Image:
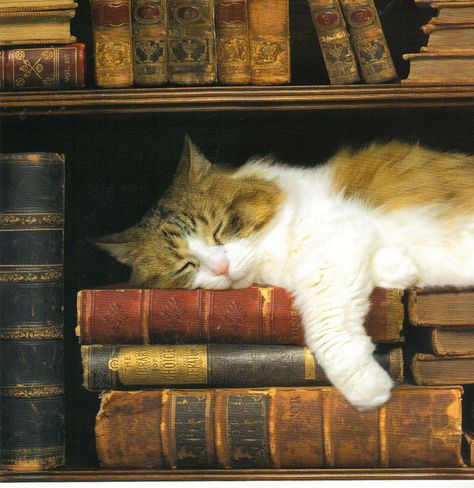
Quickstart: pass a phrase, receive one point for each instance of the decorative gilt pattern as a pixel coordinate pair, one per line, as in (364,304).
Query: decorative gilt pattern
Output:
(36,69)
(31,333)
(234,50)
(30,276)
(30,220)
(270,51)
(31,391)
(235,315)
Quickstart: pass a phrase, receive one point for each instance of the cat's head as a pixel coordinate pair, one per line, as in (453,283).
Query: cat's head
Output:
(201,233)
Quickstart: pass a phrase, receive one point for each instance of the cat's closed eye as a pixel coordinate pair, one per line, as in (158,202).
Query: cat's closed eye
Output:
(186,267)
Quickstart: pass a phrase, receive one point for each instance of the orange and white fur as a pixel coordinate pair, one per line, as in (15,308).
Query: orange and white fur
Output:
(390,215)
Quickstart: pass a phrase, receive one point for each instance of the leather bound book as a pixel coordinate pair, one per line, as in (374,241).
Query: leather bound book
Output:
(31,311)
(428,369)
(454,11)
(149,33)
(269,31)
(113,55)
(126,367)
(334,40)
(449,36)
(43,68)
(447,341)
(370,46)
(255,315)
(468,448)
(191,42)
(232,28)
(278,428)
(32,5)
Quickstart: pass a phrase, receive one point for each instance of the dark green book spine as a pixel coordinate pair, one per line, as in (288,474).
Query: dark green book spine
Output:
(31,311)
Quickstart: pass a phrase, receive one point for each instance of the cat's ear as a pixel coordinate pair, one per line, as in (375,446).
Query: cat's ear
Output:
(192,164)
(123,246)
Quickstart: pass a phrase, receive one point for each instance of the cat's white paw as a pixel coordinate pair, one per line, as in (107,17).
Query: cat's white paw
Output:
(393,268)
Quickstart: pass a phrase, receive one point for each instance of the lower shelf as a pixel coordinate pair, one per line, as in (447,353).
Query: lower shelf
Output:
(97,474)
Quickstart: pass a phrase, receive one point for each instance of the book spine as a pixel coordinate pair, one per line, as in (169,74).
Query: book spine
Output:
(279,428)
(191,42)
(232,29)
(125,367)
(428,369)
(149,32)
(334,40)
(137,316)
(370,46)
(45,68)
(31,317)
(2,70)
(269,34)
(113,54)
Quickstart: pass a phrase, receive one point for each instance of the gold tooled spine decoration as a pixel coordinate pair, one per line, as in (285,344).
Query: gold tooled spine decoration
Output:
(27,221)
(309,365)
(31,391)
(31,276)
(31,333)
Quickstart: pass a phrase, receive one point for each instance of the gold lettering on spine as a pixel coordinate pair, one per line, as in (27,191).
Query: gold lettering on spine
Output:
(309,365)
(272,429)
(266,300)
(326,423)
(383,451)
(161,365)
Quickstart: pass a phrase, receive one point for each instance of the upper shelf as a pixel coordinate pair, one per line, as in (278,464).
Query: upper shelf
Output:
(228,98)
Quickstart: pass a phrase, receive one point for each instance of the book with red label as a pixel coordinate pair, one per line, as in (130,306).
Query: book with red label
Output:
(254,315)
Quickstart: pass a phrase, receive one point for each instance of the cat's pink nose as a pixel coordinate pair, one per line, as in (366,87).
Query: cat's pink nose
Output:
(219,265)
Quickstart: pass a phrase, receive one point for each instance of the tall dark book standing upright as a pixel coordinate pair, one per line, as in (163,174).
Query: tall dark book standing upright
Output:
(31,311)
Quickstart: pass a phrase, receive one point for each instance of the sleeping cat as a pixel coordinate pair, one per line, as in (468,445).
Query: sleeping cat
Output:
(390,215)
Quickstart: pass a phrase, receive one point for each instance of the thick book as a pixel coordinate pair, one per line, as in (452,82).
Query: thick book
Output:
(149,34)
(444,306)
(428,369)
(446,341)
(254,315)
(334,41)
(449,36)
(31,311)
(113,53)
(278,428)
(108,367)
(369,41)
(21,27)
(42,68)
(269,34)
(233,48)
(191,42)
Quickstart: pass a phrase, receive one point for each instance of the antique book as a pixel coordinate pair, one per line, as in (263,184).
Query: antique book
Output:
(233,49)
(109,367)
(449,36)
(255,315)
(334,40)
(31,5)
(370,46)
(445,306)
(149,34)
(278,428)
(31,311)
(191,42)
(269,34)
(450,10)
(441,66)
(428,369)
(113,55)
(19,27)
(468,448)
(446,341)
(42,68)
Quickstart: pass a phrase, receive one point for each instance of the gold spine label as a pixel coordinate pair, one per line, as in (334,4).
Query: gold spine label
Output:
(309,365)
(161,365)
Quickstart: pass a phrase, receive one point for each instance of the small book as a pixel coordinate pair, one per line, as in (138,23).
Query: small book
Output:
(108,367)
(447,341)
(334,41)
(113,54)
(370,45)
(42,68)
(191,42)
(449,36)
(254,315)
(278,428)
(428,369)
(149,34)
(232,28)
(269,30)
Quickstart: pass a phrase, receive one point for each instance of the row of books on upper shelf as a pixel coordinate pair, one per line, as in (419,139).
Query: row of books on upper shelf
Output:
(449,53)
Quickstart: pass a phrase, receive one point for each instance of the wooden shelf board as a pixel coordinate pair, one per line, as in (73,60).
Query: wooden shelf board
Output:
(227,98)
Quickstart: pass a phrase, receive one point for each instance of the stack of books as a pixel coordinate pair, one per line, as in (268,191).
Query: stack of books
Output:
(221,379)
(39,51)
(449,54)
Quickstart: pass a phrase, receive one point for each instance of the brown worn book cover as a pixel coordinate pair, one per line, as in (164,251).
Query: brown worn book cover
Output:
(255,315)
(454,11)
(232,26)
(278,428)
(113,56)
(149,34)
(191,42)
(447,341)
(429,369)
(369,41)
(269,29)
(441,306)
(334,40)
(468,448)
(449,36)
(129,367)
(35,5)
(44,68)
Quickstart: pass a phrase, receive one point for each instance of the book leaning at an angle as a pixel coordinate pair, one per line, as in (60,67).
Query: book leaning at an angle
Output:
(278,428)
(254,315)
(227,365)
